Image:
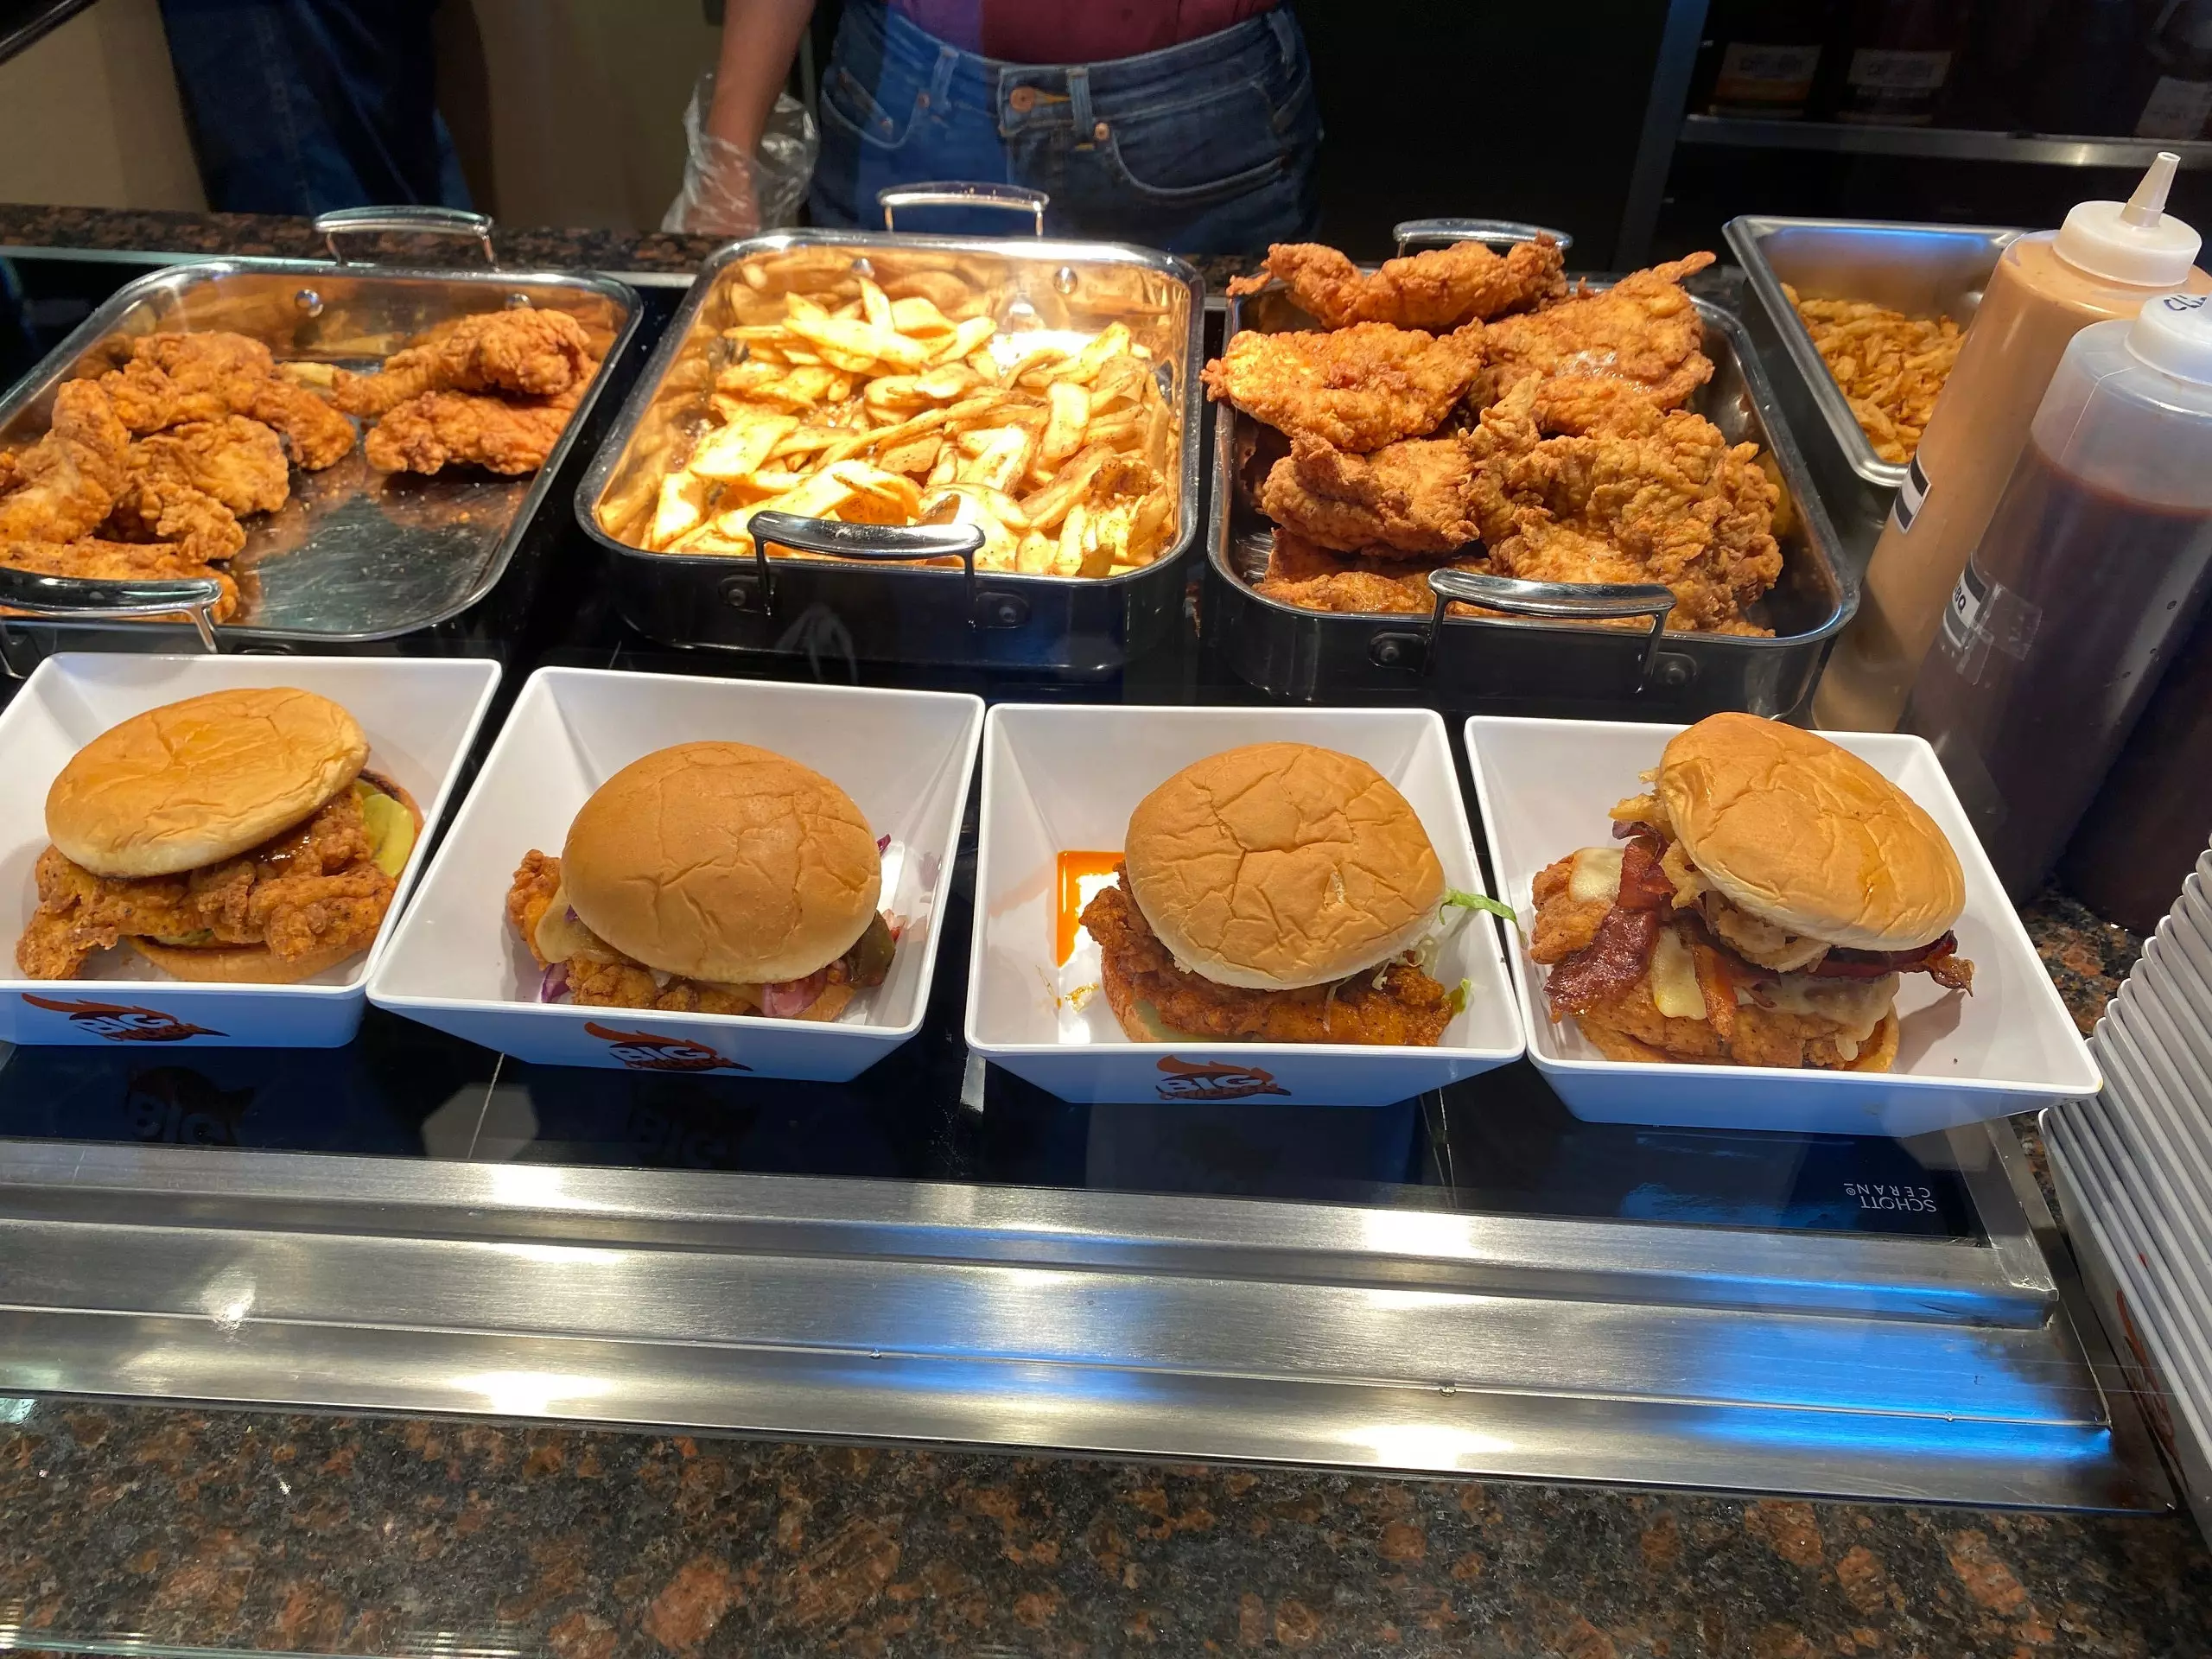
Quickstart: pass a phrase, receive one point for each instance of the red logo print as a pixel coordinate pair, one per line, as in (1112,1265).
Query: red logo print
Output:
(121,1024)
(642,1051)
(1208,1080)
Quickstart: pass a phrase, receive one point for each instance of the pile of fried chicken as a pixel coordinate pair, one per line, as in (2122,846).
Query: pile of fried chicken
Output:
(1471,410)
(152,459)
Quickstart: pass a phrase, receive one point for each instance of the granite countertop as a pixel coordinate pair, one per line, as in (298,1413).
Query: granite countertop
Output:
(162,1525)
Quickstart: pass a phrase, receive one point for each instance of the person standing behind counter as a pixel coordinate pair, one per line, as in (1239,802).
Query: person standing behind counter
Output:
(1184,124)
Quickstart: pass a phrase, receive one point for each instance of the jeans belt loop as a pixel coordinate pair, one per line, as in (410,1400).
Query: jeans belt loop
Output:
(1079,103)
(948,62)
(1286,33)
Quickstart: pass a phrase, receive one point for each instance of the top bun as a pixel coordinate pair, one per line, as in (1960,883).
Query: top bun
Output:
(721,861)
(1281,864)
(196,782)
(1808,836)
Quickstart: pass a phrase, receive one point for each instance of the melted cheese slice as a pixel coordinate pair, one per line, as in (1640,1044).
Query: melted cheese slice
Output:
(1857,1005)
(1596,876)
(1674,990)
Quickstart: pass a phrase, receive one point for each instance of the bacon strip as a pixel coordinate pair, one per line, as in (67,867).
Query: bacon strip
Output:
(1614,960)
(1644,885)
(1939,960)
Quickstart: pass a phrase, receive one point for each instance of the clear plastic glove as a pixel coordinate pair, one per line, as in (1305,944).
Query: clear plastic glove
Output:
(728,193)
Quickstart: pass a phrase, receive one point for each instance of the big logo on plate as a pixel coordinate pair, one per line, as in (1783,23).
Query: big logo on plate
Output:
(643,1050)
(120,1023)
(1210,1080)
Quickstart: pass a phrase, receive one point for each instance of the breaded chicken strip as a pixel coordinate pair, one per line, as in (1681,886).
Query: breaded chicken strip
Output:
(1406,1007)
(525,351)
(462,429)
(100,561)
(64,484)
(1438,290)
(1358,388)
(1409,497)
(173,378)
(1644,329)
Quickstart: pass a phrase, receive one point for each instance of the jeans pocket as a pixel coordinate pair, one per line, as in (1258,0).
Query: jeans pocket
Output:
(850,108)
(1201,149)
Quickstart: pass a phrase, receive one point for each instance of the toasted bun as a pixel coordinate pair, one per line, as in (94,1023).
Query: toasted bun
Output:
(1281,864)
(724,862)
(196,782)
(1808,836)
(239,965)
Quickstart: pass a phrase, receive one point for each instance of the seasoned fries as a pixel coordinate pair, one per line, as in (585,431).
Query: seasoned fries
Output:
(1890,367)
(907,405)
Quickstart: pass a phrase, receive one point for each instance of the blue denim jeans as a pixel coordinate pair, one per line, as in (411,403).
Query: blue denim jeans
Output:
(1204,148)
(299,106)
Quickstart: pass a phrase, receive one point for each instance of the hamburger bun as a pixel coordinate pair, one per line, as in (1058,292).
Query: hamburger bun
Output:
(1805,834)
(722,862)
(196,782)
(1281,864)
(238,964)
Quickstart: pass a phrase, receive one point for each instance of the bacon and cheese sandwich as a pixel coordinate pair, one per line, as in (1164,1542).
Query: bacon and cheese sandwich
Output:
(1759,908)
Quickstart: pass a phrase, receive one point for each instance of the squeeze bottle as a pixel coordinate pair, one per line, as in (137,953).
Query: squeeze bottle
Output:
(2103,262)
(2089,578)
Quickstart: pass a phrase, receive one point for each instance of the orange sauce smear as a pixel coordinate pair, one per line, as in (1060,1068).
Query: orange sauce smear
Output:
(1075,869)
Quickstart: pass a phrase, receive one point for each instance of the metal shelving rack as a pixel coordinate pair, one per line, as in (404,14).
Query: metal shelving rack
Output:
(1669,127)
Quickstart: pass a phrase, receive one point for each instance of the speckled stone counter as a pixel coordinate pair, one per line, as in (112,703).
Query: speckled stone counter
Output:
(137,1525)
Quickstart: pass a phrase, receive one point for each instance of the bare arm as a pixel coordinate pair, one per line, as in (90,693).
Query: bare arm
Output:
(759,40)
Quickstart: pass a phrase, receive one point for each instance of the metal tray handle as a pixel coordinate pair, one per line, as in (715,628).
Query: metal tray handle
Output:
(1560,602)
(84,599)
(403,221)
(890,543)
(1432,232)
(961,193)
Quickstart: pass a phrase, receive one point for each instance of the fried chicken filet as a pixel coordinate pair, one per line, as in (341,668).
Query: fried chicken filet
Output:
(1439,290)
(525,351)
(1357,388)
(1643,330)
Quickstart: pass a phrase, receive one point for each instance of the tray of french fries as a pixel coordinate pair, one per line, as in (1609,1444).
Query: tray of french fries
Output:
(966,451)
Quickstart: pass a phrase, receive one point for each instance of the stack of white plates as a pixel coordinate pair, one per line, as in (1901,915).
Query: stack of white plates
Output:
(2133,1173)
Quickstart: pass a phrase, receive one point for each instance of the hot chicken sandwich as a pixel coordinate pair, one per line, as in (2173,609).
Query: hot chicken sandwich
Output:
(1280,893)
(710,878)
(1758,908)
(231,838)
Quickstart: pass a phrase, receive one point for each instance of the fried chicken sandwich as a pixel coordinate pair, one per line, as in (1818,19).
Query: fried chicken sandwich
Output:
(1278,893)
(232,837)
(710,878)
(1766,897)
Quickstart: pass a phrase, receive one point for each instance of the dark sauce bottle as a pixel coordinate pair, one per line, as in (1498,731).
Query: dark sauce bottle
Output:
(2091,574)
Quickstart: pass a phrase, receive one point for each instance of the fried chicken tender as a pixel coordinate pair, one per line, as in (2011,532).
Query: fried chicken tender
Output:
(525,351)
(64,484)
(1358,388)
(189,484)
(1316,579)
(174,379)
(100,561)
(319,435)
(1679,506)
(1438,290)
(438,429)
(1408,497)
(314,886)
(1408,1007)
(1644,329)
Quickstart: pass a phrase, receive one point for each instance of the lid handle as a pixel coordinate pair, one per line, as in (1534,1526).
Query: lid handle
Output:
(405,220)
(961,192)
(1435,232)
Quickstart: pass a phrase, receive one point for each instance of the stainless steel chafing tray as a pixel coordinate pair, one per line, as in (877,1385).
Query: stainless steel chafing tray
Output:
(875,601)
(1923,270)
(355,555)
(1553,656)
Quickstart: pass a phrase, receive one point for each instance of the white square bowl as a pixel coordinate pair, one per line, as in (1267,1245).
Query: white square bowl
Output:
(1059,779)
(1544,787)
(904,757)
(420,715)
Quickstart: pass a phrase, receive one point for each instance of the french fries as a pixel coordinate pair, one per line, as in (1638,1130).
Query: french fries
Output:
(905,404)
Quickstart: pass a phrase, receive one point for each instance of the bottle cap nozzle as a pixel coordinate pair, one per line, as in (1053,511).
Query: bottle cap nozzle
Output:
(2173,334)
(2149,201)
(2136,241)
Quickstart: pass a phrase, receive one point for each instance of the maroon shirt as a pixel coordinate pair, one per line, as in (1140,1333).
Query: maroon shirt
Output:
(1074,31)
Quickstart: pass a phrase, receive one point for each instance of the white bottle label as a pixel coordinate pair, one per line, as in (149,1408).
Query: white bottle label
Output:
(1899,72)
(1912,495)
(1985,616)
(2175,109)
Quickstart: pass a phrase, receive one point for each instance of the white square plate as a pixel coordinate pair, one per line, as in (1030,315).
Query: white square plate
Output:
(2165,1175)
(1545,786)
(420,715)
(2141,1029)
(2167,977)
(1065,779)
(904,757)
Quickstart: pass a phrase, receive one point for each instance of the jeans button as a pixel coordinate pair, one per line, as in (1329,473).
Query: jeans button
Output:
(1100,131)
(1022,99)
